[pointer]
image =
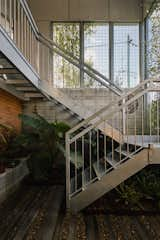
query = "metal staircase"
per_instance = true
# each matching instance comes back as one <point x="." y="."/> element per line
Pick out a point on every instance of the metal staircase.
<point x="103" y="150"/>
<point x="95" y="164"/>
<point x="26" y="60"/>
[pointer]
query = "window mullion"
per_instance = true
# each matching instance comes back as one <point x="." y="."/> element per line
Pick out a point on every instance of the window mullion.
<point x="81" y="54"/>
<point x="111" y="52"/>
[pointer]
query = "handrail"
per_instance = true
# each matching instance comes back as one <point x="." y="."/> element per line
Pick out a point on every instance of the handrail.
<point x="110" y="114"/>
<point x="27" y="10"/>
<point x="36" y="47"/>
<point x="101" y="79"/>
<point x="90" y="142"/>
<point x="107" y="108"/>
<point x="43" y="38"/>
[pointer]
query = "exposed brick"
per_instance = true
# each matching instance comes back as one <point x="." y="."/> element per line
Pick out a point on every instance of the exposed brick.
<point x="10" y="108"/>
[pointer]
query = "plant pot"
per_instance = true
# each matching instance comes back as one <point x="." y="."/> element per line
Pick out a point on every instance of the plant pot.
<point x="2" y="167"/>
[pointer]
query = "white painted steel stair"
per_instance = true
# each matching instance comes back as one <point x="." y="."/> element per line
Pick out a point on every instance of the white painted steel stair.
<point x="110" y="160"/>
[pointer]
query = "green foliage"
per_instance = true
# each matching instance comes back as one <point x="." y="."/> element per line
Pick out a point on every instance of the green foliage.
<point x="144" y="185"/>
<point x="7" y="133"/>
<point x="43" y="141"/>
<point x="61" y="128"/>
<point x="67" y="36"/>
<point x="129" y="195"/>
<point x="154" y="40"/>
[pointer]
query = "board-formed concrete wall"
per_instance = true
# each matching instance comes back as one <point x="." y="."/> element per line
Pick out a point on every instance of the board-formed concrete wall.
<point x="47" y="11"/>
<point x="86" y="99"/>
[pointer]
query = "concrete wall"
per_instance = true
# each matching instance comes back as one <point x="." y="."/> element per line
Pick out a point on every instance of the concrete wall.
<point x="11" y="179"/>
<point x="10" y="108"/>
<point x="84" y="10"/>
<point x="87" y="99"/>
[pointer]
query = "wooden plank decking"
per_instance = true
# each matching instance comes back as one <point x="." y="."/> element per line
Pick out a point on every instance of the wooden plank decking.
<point x="38" y="213"/>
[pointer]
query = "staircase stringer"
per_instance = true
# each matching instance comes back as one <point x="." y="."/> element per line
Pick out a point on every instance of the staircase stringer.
<point x="109" y="181"/>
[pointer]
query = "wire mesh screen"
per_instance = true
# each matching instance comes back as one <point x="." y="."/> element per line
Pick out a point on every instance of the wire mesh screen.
<point x="96" y="46"/>
<point x="126" y="55"/>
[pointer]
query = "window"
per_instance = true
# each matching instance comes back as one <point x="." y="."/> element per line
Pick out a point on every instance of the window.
<point x="153" y="41"/>
<point x="67" y="36"/>
<point x="96" y="46"/>
<point x="126" y="55"/>
<point x="116" y="59"/>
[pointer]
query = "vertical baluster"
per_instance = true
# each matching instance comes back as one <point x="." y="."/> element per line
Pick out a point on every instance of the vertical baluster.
<point x="120" y="140"/>
<point x="90" y="154"/>
<point x="158" y="118"/>
<point x="83" y="166"/>
<point x="5" y="14"/>
<point x="27" y="39"/>
<point x="22" y="31"/>
<point x="34" y="51"/>
<point x="135" y="125"/>
<point x="112" y="142"/>
<point x="68" y="176"/>
<point x="0" y="12"/>
<point x="18" y="23"/>
<point x="38" y="56"/>
<point x="150" y="117"/>
<point x="15" y="22"/>
<point x="142" y="120"/>
<point x="97" y="148"/>
<point x="76" y="164"/>
<point x="30" y="44"/>
<point x="25" y="35"/>
<point x="10" y="17"/>
<point x="105" y="148"/>
<point x="127" y="130"/>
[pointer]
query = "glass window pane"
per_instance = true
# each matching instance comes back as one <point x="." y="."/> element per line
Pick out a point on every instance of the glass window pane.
<point x="126" y="55"/>
<point x="67" y="36"/>
<point x="96" y="46"/>
<point x="153" y="41"/>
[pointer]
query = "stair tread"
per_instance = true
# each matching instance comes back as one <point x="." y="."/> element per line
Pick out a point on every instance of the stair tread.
<point x="111" y="161"/>
<point x="123" y="151"/>
<point x="79" y="163"/>
<point x="99" y="170"/>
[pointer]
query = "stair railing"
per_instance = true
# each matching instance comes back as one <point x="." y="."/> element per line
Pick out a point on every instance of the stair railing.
<point x="16" y="19"/>
<point x="89" y="150"/>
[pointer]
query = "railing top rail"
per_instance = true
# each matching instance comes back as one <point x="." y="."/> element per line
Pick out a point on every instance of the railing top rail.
<point x="26" y="8"/>
<point x="75" y="61"/>
<point x="93" y="73"/>
<point x="108" y="115"/>
<point x="109" y="106"/>
<point x="70" y="55"/>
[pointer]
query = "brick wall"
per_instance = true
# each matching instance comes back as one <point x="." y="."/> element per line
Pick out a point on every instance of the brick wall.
<point x="10" y="107"/>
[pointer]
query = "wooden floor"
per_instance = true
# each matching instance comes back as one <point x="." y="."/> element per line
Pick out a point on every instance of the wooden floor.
<point x="37" y="213"/>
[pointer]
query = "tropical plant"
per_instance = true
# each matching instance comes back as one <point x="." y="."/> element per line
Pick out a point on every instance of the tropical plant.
<point x="129" y="195"/>
<point x="7" y="133"/>
<point x="43" y="141"/>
